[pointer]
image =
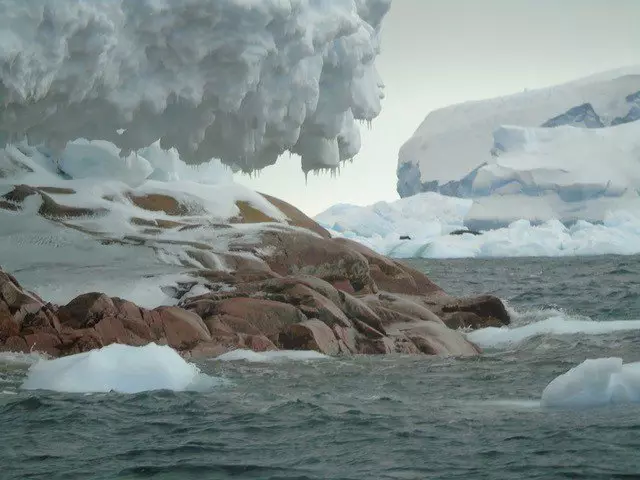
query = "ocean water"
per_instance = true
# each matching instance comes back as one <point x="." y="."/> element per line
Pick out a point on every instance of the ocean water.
<point x="301" y="416"/>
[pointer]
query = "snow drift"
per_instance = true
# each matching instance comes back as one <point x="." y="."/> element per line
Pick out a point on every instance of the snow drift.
<point x="118" y="368"/>
<point x="238" y="80"/>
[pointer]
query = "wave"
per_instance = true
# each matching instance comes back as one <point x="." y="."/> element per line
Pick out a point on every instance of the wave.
<point x="17" y="358"/>
<point x="595" y="382"/>
<point x="119" y="368"/>
<point x="556" y="325"/>
<point x="271" y="357"/>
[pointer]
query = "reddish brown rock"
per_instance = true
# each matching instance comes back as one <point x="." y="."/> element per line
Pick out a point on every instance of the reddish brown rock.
<point x="182" y="329"/>
<point x="294" y="252"/>
<point x="14" y="344"/>
<point x="296" y="217"/>
<point x="86" y="310"/>
<point x="9" y="327"/>
<point x="43" y="342"/>
<point x="487" y="307"/>
<point x="309" y="335"/>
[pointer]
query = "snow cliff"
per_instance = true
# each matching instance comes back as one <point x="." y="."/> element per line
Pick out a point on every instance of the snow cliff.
<point x="539" y="155"/>
<point x="238" y="80"/>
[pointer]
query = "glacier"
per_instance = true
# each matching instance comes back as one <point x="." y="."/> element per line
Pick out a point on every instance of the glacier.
<point x="245" y="82"/>
<point x="549" y="172"/>
<point x="569" y="152"/>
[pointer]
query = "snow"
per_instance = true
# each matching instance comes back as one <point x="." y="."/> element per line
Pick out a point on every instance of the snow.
<point x="119" y="368"/>
<point x="454" y="141"/>
<point x="92" y="253"/>
<point x="430" y="218"/>
<point x="238" y="80"/>
<point x="595" y="382"/>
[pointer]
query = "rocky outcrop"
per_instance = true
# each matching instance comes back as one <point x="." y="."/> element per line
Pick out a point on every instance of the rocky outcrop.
<point x="280" y="285"/>
<point x="321" y="294"/>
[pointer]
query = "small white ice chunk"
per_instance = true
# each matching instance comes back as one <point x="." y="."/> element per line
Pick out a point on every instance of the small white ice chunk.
<point x="595" y="382"/>
<point x="119" y="368"/>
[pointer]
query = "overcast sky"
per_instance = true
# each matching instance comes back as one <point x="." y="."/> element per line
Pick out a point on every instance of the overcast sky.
<point x="439" y="52"/>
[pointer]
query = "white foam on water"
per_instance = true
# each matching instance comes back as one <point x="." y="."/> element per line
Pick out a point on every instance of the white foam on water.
<point x="271" y="357"/>
<point x="507" y="404"/>
<point x="595" y="382"/>
<point x="494" y="337"/>
<point x="17" y="358"/>
<point x="119" y="368"/>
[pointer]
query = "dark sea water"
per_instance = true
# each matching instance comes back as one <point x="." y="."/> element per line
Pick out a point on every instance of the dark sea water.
<point x="364" y="417"/>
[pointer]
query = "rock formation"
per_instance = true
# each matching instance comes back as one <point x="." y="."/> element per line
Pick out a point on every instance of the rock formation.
<point x="299" y="289"/>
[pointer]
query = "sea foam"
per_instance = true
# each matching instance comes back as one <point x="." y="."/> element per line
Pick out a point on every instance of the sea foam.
<point x="119" y="368"/>
<point x="595" y="382"/>
<point x="494" y="337"/>
<point x="270" y="357"/>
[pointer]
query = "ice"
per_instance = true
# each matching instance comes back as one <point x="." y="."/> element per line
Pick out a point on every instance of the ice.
<point x="569" y="152"/>
<point x="595" y="382"/>
<point x="454" y="141"/>
<point x="271" y="357"/>
<point x="557" y="325"/>
<point x="238" y="80"/>
<point x="119" y="368"/>
<point x="429" y="219"/>
<point x="423" y="215"/>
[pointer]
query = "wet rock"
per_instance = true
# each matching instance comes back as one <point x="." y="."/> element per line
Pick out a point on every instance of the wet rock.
<point x="389" y="275"/>
<point x="490" y="310"/>
<point x="255" y="316"/>
<point x="86" y="310"/>
<point x="9" y="327"/>
<point x="309" y="335"/>
<point x="294" y="252"/>
<point x="182" y="329"/>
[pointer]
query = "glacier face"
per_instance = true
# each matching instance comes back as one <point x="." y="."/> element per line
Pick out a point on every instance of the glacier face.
<point x="238" y="80"/>
<point x="539" y="155"/>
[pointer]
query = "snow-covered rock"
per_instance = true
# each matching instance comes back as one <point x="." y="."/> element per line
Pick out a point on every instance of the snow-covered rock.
<point x="239" y="80"/>
<point x="539" y="155"/>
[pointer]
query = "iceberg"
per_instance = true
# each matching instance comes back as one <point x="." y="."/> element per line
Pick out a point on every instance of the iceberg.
<point x="121" y="369"/>
<point x="593" y="383"/>
<point x="430" y="225"/>
<point x="238" y="80"/>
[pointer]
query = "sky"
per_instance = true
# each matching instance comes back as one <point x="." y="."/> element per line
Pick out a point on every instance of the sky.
<point x="441" y="52"/>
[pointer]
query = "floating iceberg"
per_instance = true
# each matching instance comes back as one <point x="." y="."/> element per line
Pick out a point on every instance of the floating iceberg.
<point x="119" y="368"/>
<point x="595" y="382"/>
<point x="430" y="225"/>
